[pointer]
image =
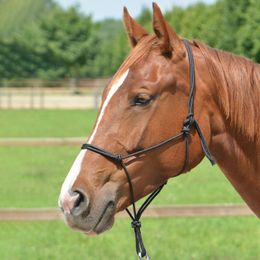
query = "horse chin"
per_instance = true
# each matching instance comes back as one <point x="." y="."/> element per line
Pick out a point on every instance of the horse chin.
<point x="98" y="220"/>
<point x="105" y="221"/>
<point x="102" y="227"/>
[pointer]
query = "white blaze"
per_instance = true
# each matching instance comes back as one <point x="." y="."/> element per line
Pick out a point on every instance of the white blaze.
<point x="112" y="91"/>
<point x="76" y="167"/>
<point x="72" y="175"/>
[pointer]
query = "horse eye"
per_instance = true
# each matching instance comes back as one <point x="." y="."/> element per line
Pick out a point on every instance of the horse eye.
<point x="142" y="100"/>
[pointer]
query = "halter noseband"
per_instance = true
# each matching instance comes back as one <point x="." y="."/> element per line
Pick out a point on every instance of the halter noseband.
<point x="184" y="133"/>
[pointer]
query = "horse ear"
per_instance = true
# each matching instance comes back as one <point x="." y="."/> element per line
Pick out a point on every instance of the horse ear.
<point x="135" y="31"/>
<point x="168" y="39"/>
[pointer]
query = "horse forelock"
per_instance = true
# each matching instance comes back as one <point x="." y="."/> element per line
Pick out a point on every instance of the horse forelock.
<point x="138" y="53"/>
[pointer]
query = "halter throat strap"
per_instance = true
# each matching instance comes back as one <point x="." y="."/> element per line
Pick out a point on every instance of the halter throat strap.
<point x="184" y="134"/>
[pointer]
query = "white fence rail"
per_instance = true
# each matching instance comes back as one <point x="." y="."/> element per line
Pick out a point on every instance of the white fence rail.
<point x="67" y="94"/>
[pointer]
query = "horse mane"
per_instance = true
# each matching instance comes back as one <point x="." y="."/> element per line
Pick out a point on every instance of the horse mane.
<point x="238" y="83"/>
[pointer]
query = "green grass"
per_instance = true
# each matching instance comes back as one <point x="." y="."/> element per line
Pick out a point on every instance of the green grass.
<point x="226" y="238"/>
<point x="46" y="123"/>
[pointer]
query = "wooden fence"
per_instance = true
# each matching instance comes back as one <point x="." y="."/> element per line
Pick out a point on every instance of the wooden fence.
<point x="43" y="141"/>
<point x="152" y="212"/>
<point x="33" y="94"/>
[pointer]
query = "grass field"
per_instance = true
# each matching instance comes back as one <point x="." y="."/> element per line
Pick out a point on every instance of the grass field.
<point x="46" y="123"/>
<point x="32" y="176"/>
<point x="230" y="238"/>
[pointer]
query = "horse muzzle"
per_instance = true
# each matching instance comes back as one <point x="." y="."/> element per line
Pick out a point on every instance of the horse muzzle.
<point x="90" y="216"/>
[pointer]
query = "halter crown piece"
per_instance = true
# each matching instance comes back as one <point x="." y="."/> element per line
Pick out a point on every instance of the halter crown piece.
<point x="118" y="159"/>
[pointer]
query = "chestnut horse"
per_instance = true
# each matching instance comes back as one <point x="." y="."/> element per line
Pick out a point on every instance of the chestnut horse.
<point x="144" y="104"/>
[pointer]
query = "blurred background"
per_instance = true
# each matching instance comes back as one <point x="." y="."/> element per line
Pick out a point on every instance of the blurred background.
<point x="56" y="57"/>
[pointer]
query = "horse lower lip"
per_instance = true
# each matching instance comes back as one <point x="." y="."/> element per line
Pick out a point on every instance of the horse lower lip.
<point x="110" y="204"/>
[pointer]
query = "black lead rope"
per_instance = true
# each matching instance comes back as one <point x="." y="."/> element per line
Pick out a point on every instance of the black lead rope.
<point x="184" y="134"/>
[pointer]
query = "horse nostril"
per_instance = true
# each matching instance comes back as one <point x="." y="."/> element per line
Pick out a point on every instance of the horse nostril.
<point x="68" y="202"/>
<point x="75" y="203"/>
<point x="80" y="204"/>
<point x="80" y="199"/>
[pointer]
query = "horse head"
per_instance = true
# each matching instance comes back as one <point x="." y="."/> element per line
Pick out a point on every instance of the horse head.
<point x="144" y="104"/>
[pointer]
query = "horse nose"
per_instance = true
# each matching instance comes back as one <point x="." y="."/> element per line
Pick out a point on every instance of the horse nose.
<point x="75" y="203"/>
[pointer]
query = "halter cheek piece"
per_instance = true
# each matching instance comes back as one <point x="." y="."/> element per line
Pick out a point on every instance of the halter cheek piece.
<point x="119" y="159"/>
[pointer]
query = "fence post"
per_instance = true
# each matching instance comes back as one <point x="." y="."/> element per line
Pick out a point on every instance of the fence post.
<point x="9" y="94"/>
<point x="41" y="89"/>
<point x="38" y="91"/>
<point x="73" y="85"/>
<point x="32" y="95"/>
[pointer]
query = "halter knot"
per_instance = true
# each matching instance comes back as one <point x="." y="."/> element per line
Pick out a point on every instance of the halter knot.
<point x="186" y="130"/>
<point x="136" y="224"/>
<point x="118" y="158"/>
<point x="188" y="122"/>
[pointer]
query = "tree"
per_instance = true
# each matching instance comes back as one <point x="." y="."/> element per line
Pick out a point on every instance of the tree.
<point x="145" y="19"/>
<point x="232" y="18"/>
<point x="16" y="15"/>
<point x="248" y="40"/>
<point x="112" y="47"/>
<point x="68" y="43"/>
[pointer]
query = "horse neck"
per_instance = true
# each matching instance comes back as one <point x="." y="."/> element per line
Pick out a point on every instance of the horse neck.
<point x="235" y="141"/>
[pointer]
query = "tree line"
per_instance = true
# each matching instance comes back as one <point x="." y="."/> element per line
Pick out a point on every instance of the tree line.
<point x="68" y="44"/>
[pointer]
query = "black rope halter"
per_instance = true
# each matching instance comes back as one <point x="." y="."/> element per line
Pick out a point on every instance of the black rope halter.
<point x="119" y="159"/>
